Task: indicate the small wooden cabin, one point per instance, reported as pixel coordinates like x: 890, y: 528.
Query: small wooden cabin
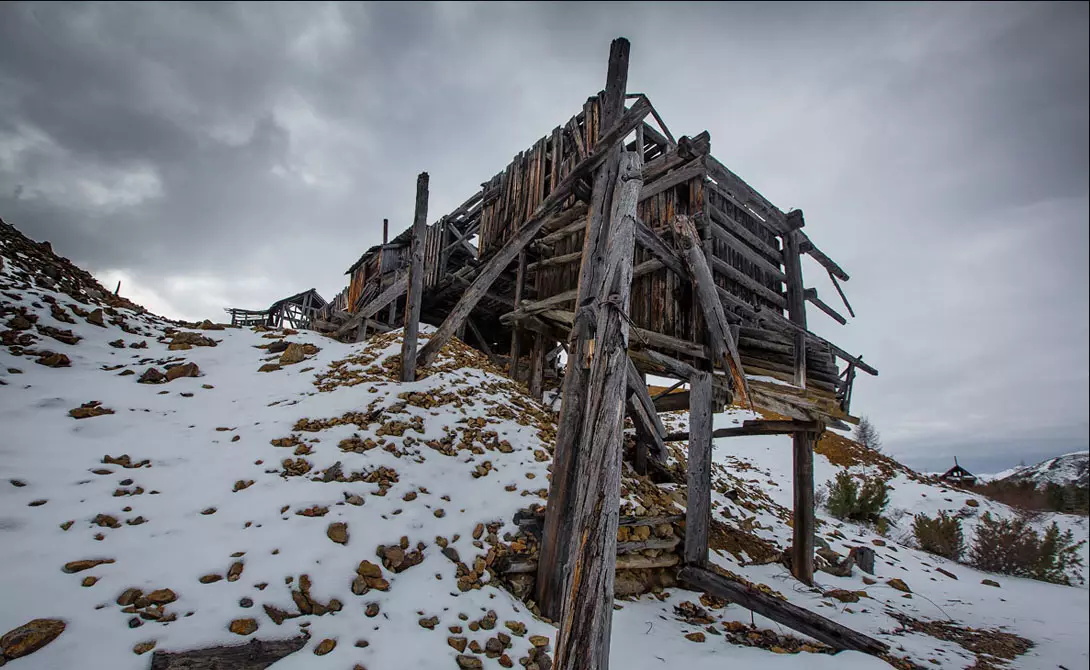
x: 294, y: 311
x: 958, y: 476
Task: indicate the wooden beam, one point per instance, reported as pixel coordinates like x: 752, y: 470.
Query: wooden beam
x: 797, y: 618
x: 802, y: 560
x: 562, y: 259
x: 808, y: 247
x: 416, y: 281
x: 741, y: 247
x: 723, y: 346
x: 507, y: 253
x: 582, y: 641
x: 756, y: 427
x: 739, y: 277
x: 694, y: 169
x: 837, y: 351
x: 649, y: 428
x: 698, y: 501
x: 654, y: 243
x: 254, y: 655
x: 812, y: 296
x: 516, y: 333
x: 662, y: 126
x: 843, y: 298
x: 796, y: 297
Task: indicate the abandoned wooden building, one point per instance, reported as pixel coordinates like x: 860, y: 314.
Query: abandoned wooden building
x: 610, y: 240
x: 958, y: 476
x: 294, y: 311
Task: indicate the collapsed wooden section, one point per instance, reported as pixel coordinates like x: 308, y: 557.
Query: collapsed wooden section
x: 295, y: 311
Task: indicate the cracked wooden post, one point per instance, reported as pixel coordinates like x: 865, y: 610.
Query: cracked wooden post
x: 587, y: 604
x: 416, y: 281
x: 698, y: 499
x: 802, y: 559
x: 796, y: 293
x: 565, y: 483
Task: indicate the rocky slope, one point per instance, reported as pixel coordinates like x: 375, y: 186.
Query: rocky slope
x: 1073, y: 468
x: 166, y: 487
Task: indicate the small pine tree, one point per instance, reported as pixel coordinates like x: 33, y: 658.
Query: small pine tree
x: 941, y: 535
x: 848, y: 500
x: 867, y: 435
x: 843, y: 495
x: 1013, y: 547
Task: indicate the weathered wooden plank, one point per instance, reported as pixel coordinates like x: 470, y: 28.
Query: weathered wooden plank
x: 507, y: 253
x: 808, y: 247
x: 741, y: 247
x: 582, y: 641
x: 843, y: 298
x: 691, y: 171
x: 723, y: 346
x: 796, y: 296
x: 516, y: 332
x: 802, y: 561
x: 415, y: 281
x: 797, y: 618
x: 736, y: 275
x: 649, y: 428
x: 661, y: 362
x: 562, y: 259
x: 394, y: 291
x: 755, y: 427
x: 531, y: 307
x: 774, y: 317
x: 698, y: 501
x: 654, y: 243
x: 737, y: 187
x: 812, y: 296
x: 256, y: 655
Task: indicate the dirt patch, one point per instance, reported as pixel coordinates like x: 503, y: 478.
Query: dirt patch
x: 993, y: 648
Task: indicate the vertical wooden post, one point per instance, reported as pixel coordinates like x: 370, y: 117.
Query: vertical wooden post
x: 554, y: 556
x: 516, y: 332
x: 698, y: 501
x: 802, y: 560
x: 385, y: 231
x: 582, y: 643
x: 416, y: 281
x: 796, y: 297
x: 537, y: 367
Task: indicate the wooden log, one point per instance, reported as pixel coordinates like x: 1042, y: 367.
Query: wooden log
x: 530, y: 307
x: 256, y: 655
x: 653, y: 242
x: 843, y: 298
x: 537, y: 367
x: 771, y: 217
x: 663, y: 363
x: 723, y: 346
x: 812, y: 297
x: 698, y: 501
x: 741, y: 247
x: 562, y: 259
x: 591, y: 489
x: 516, y: 332
x: 507, y: 253
x: 802, y: 560
x: 641, y: 409
x: 756, y: 427
x: 797, y: 618
x: 415, y: 281
x: 728, y: 224
x: 776, y: 318
x: 808, y: 247
x: 388, y: 296
x: 649, y: 543
x: 693, y: 170
x: 736, y: 275
x: 796, y: 298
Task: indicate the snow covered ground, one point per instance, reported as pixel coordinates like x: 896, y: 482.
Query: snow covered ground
x: 231, y: 493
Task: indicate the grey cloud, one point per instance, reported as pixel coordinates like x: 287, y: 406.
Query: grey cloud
x: 235, y: 153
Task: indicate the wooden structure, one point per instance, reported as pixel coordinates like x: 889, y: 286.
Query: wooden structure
x: 294, y: 311
x: 637, y: 254
x: 958, y: 476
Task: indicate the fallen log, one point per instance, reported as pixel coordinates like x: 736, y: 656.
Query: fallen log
x: 257, y: 655
x: 803, y: 620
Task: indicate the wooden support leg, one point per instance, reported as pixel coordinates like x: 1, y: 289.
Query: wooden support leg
x: 416, y: 281
x: 802, y: 560
x: 516, y: 331
x: 699, y: 498
x: 537, y: 367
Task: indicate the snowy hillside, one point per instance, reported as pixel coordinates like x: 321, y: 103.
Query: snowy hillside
x: 1073, y: 468
x: 210, y: 502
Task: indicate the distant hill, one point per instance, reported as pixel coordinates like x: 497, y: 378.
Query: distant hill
x: 1073, y: 468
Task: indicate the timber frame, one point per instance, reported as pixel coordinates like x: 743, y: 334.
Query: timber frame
x: 294, y: 311
x: 635, y: 254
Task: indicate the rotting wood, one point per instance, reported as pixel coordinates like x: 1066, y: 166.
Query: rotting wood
x: 654, y: 243
x: 802, y: 560
x: 797, y: 618
x: 698, y: 495
x: 507, y: 253
x: 592, y: 487
x: 756, y: 427
x: 415, y: 281
x: 796, y: 296
x: 516, y: 332
x: 843, y: 298
x: 649, y: 428
x: 256, y: 655
x: 736, y: 275
x: 391, y: 294
x: 812, y: 296
x: 723, y: 346
x: 837, y: 351
x: 808, y: 247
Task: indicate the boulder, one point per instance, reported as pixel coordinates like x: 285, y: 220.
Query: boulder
x: 30, y: 637
x: 96, y: 318
x: 54, y: 360
x: 183, y: 370
x: 152, y: 376
x: 293, y: 354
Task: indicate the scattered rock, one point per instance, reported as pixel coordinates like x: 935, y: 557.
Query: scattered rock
x: 30, y: 637
x: 899, y: 584
x: 843, y: 595
x: 429, y: 622
x: 539, y: 641
x: 695, y: 637
x: 184, y: 370
x: 89, y: 409
x: 152, y: 376
x: 990, y: 582
x: 162, y: 596
x: 243, y: 626
x: 210, y: 578
x: 324, y: 647
x: 95, y: 318
x: 54, y: 360
x: 129, y: 596
x: 946, y: 572
x: 457, y: 642
x: 972, y: 503
x: 143, y: 647
x: 269, y: 367
x: 20, y: 322
x: 85, y: 564
x: 293, y: 354
x: 338, y: 532
x: 468, y: 662
x: 89, y: 581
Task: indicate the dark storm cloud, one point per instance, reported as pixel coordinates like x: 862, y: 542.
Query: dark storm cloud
x: 230, y: 154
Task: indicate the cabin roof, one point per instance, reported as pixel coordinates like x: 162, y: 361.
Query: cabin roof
x: 297, y: 299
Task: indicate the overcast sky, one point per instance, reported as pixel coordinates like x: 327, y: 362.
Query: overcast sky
x: 214, y: 155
